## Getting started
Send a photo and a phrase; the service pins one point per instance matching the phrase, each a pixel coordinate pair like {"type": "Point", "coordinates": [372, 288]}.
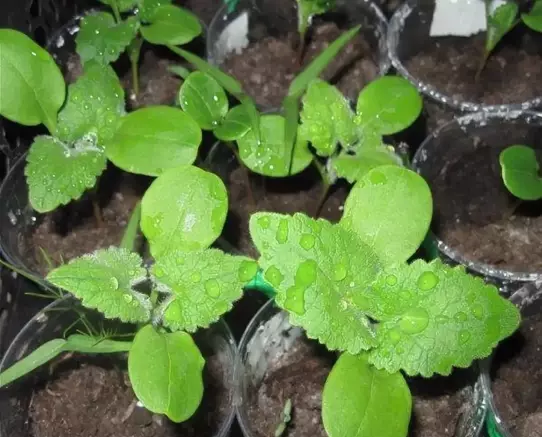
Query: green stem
{"type": "Point", "coordinates": [134, 52]}
{"type": "Point", "coordinates": [245, 170]}
{"type": "Point", "coordinates": [97, 211]}
{"type": "Point", "coordinates": [130, 233]}
{"type": "Point", "coordinates": [116, 12]}
{"type": "Point", "coordinates": [301, 48]}
{"type": "Point", "coordinates": [326, 186]}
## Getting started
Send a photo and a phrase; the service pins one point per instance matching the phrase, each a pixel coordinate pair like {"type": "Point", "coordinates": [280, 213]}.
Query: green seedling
{"type": "Point", "coordinates": [502, 20]}
{"type": "Point", "coordinates": [286, 417]}
{"type": "Point", "coordinates": [306, 11]}
{"type": "Point", "coordinates": [103, 36]}
{"type": "Point", "coordinates": [188, 287]}
{"type": "Point", "coordinates": [87, 125]}
{"type": "Point", "coordinates": [520, 172]}
{"type": "Point", "coordinates": [349, 286]}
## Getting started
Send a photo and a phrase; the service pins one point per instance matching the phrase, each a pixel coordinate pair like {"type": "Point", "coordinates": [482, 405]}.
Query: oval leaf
{"type": "Point", "coordinates": [520, 168]}
{"type": "Point", "coordinates": [204, 99]}
{"type": "Point", "coordinates": [147, 8]}
{"type": "Point", "coordinates": [360, 400]}
{"type": "Point", "coordinates": [33, 88]}
{"type": "Point", "coordinates": [390, 209]}
{"type": "Point", "coordinates": [123, 5]}
{"type": "Point", "coordinates": [152, 140]}
{"type": "Point", "coordinates": [499, 23]}
{"type": "Point", "coordinates": [166, 373]}
{"type": "Point", "coordinates": [171, 25]}
{"type": "Point", "coordinates": [184, 209]}
{"type": "Point", "coordinates": [354, 167]}
{"type": "Point", "coordinates": [534, 18]}
{"type": "Point", "coordinates": [235, 126]}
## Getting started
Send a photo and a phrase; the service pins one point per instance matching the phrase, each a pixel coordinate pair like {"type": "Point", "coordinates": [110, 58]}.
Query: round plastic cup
{"type": "Point", "coordinates": [65, 314]}
{"type": "Point", "coordinates": [461, 136]}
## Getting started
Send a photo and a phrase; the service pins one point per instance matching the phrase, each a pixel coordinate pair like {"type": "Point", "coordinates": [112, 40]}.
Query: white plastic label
{"type": "Point", "coordinates": [234, 38]}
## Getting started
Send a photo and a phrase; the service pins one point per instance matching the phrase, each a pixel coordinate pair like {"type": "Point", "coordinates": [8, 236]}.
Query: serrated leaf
{"type": "Point", "coordinates": [105, 280]}
{"type": "Point", "coordinates": [388, 105]}
{"type": "Point", "coordinates": [200, 286]}
{"type": "Point", "coordinates": [317, 270]}
{"type": "Point", "coordinates": [307, 9]}
{"type": "Point", "coordinates": [95, 105]}
{"type": "Point", "coordinates": [123, 5]}
{"type": "Point", "coordinates": [152, 140]}
{"type": "Point", "coordinates": [270, 156]}
{"type": "Point", "coordinates": [499, 23]}
{"type": "Point", "coordinates": [166, 373]}
{"type": "Point", "coordinates": [184, 209]}
{"type": "Point", "coordinates": [171, 25]}
{"type": "Point", "coordinates": [57, 173]}
{"type": "Point", "coordinates": [326, 118]}
{"type": "Point", "coordinates": [235, 125]}
{"type": "Point", "coordinates": [434, 317]}
{"type": "Point", "coordinates": [359, 400]}
{"type": "Point", "coordinates": [354, 167]}
{"type": "Point", "coordinates": [148, 7]}
{"type": "Point", "coordinates": [390, 209]}
{"type": "Point", "coordinates": [102, 39]}
{"type": "Point", "coordinates": [520, 167]}
{"type": "Point", "coordinates": [204, 99]}
{"type": "Point", "coordinates": [533, 19]}
{"type": "Point", "coordinates": [33, 88]}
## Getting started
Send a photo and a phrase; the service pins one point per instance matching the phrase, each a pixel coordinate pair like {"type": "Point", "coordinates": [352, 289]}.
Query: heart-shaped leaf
{"type": "Point", "coordinates": [171, 25]}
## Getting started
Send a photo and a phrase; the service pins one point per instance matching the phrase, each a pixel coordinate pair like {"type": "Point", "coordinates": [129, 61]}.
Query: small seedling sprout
{"type": "Point", "coordinates": [306, 10]}
{"type": "Point", "coordinates": [520, 172]}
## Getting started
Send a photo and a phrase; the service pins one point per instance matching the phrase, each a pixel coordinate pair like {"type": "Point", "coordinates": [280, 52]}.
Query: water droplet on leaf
{"type": "Point", "coordinates": [212, 288]}
{"type": "Point", "coordinates": [282, 231]}
{"type": "Point", "coordinates": [464, 337]}
{"type": "Point", "coordinates": [461, 317]}
{"type": "Point", "coordinates": [339, 272]}
{"type": "Point", "coordinates": [195, 277]}
{"type": "Point", "coordinates": [394, 336]}
{"type": "Point", "coordinates": [391, 280]}
{"type": "Point", "coordinates": [414, 321]}
{"type": "Point", "coordinates": [264, 222]}
{"type": "Point", "coordinates": [247, 270]}
{"type": "Point", "coordinates": [378, 178]}
{"type": "Point", "coordinates": [158, 272]}
{"type": "Point", "coordinates": [128, 298]}
{"type": "Point", "coordinates": [295, 300]}
{"type": "Point", "coordinates": [478, 311]}
{"type": "Point", "coordinates": [427, 281]}
{"type": "Point", "coordinates": [307, 241]}
{"type": "Point", "coordinates": [114, 283]}
{"type": "Point", "coordinates": [274, 276]}
{"type": "Point", "coordinates": [306, 273]}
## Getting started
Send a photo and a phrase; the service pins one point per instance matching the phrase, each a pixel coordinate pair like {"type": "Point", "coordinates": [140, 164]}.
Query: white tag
{"type": "Point", "coordinates": [458, 17]}
{"type": "Point", "coordinates": [234, 37]}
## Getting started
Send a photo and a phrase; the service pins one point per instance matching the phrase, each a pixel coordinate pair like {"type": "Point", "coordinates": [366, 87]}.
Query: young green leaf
{"type": "Point", "coordinates": [235, 125]}
{"type": "Point", "coordinates": [102, 39]}
{"type": "Point", "coordinates": [129, 238]}
{"type": "Point", "coordinates": [388, 105]}
{"type": "Point", "coordinates": [152, 140]}
{"type": "Point", "coordinates": [533, 19]}
{"type": "Point", "coordinates": [326, 118]}
{"type": "Point", "coordinates": [434, 317]}
{"type": "Point", "coordinates": [147, 8]}
{"type": "Point", "coordinates": [360, 400]}
{"type": "Point", "coordinates": [270, 156]}
{"type": "Point", "coordinates": [499, 23]}
{"type": "Point", "coordinates": [390, 209]}
{"type": "Point", "coordinates": [520, 168]}
{"type": "Point", "coordinates": [307, 9]}
{"type": "Point", "coordinates": [171, 25]}
{"type": "Point", "coordinates": [57, 173]}
{"type": "Point", "coordinates": [317, 270]}
{"type": "Point", "coordinates": [104, 280]}
{"type": "Point", "coordinates": [200, 286]}
{"type": "Point", "coordinates": [122, 5]}
{"type": "Point", "coordinates": [95, 105]}
{"type": "Point", "coordinates": [166, 373]}
{"type": "Point", "coordinates": [33, 88]}
{"type": "Point", "coordinates": [354, 167]}
{"type": "Point", "coordinates": [204, 99]}
{"type": "Point", "coordinates": [184, 209]}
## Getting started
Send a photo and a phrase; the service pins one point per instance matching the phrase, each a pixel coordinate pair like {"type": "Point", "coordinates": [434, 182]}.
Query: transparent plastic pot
{"type": "Point", "coordinates": [269, 336]}
{"type": "Point", "coordinates": [462, 136]}
{"type": "Point", "coordinates": [408, 34]}
{"type": "Point", "coordinates": [255, 19]}
{"type": "Point", "coordinates": [64, 314]}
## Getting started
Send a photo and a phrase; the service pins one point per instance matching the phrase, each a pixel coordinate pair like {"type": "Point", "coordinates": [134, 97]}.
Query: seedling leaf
{"type": "Point", "coordinates": [434, 317]}
{"type": "Point", "coordinates": [204, 99]}
{"type": "Point", "coordinates": [235, 125]}
{"type": "Point", "coordinates": [102, 39]}
{"type": "Point", "coordinates": [271, 156]}
{"type": "Point", "coordinates": [104, 280]}
{"type": "Point", "coordinates": [33, 88]}
{"type": "Point", "coordinates": [520, 172]}
{"type": "Point", "coordinates": [307, 9]}
{"type": "Point", "coordinates": [185, 208]}
{"type": "Point", "coordinates": [360, 400]}
{"type": "Point", "coordinates": [200, 286]}
{"type": "Point", "coordinates": [499, 23]}
{"type": "Point", "coordinates": [123, 5]}
{"type": "Point", "coordinates": [388, 105]}
{"type": "Point", "coordinates": [171, 25]}
{"type": "Point", "coordinates": [166, 373]}
{"type": "Point", "coordinates": [147, 8]}
{"type": "Point", "coordinates": [354, 167]}
{"type": "Point", "coordinates": [152, 140]}
{"type": "Point", "coordinates": [317, 270]}
{"type": "Point", "coordinates": [326, 118]}
{"type": "Point", "coordinates": [533, 19]}
{"type": "Point", "coordinates": [57, 173]}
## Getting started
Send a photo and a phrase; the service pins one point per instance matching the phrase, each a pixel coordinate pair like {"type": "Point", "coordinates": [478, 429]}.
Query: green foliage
{"type": "Point", "coordinates": [152, 140]}
{"type": "Point", "coordinates": [353, 167]}
{"type": "Point", "coordinates": [171, 25]}
{"type": "Point", "coordinates": [307, 9]}
{"type": "Point", "coordinates": [520, 172]}
{"type": "Point", "coordinates": [317, 270]}
{"type": "Point", "coordinates": [122, 5]}
{"type": "Point", "coordinates": [390, 209]}
{"type": "Point", "coordinates": [166, 372]}
{"type": "Point", "coordinates": [499, 23]}
{"type": "Point", "coordinates": [183, 209]}
{"type": "Point", "coordinates": [533, 19]}
{"type": "Point", "coordinates": [105, 280]}
{"type": "Point", "coordinates": [199, 286]}
{"type": "Point", "coordinates": [147, 8]}
{"type": "Point", "coordinates": [32, 86]}
{"type": "Point", "coordinates": [235, 125]}
{"type": "Point", "coordinates": [360, 400]}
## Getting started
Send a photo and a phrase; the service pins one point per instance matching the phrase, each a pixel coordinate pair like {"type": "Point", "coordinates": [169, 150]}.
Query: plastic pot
{"type": "Point", "coordinates": [60, 316]}
{"type": "Point", "coordinates": [409, 34]}
{"type": "Point", "coordinates": [443, 152]}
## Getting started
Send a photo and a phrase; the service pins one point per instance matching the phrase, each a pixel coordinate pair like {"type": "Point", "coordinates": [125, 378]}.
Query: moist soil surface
{"type": "Point", "coordinates": [450, 64]}
{"type": "Point", "coordinates": [300, 376]}
{"type": "Point", "coordinates": [517, 379]}
{"type": "Point", "coordinates": [269, 64]}
{"type": "Point", "coordinates": [94, 398]}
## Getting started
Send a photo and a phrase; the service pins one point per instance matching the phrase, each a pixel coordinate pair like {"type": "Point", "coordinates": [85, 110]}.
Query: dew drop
{"type": "Point", "coordinates": [414, 321]}
{"type": "Point", "coordinates": [427, 281]}
{"type": "Point", "coordinates": [339, 272]}
{"type": "Point", "coordinates": [400, 350]}
{"type": "Point", "coordinates": [343, 305]}
{"type": "Point", "coordinates": [378, 178]}
{"type": "Point", "coordinates": [158, 272]}
{"type": "Point", "coordinates": [391, 280]}
{"type": "Point", "coordinates": [195, 277]}
{"type": "Point", "coordinates": [441, 319]}
{"type": "Point", "coordinates": [247, 271]}
{"type": "Point", "coordinates": [127, 298]}
{"type": "Point", "coordinates": [478, 311]}
{"type": "Point", "coordinates": [307, 241]}
{"type": "Point", "coordinates": [464, 337]}
{"type": "Point", "coordinates": [394, 336]}
{"type": "Point", "coordinates": [295, 300]}
{"type": "Point", "coordinates": [114, 283]}
{"type": "Point", "coordinates": [306, 273]}
{"type": "Point", "coordinates": [274, 276]}
{"type": "Point", "coordinates": [264, 222]}
{"type": "Point", "coordinates": [212, 288]}
{"type": "Point", "coordinates": [471, 298]}
{"type": "Point", "coordinates": [282, 232]}
{"type": "Point", "coordinates": [461, 317]}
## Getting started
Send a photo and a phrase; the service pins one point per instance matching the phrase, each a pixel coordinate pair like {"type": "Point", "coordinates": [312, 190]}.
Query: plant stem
{"type": "Point", "coordinates": [116, 12]}
{"type": "Point", "coordinates": [326, 186]}
{"type": "Point", "coordinates": [481, 67]}
{"type": "Point", "coordinates": [97, 211]}
{"type": "Point", "coordinates": [301, 48]}
{"type": "Point", "coordinates": [130, 233]}
{"type": "Point", "coordinates": [134, 52]}
{"type": "Point", "coordinates": [245, 170]}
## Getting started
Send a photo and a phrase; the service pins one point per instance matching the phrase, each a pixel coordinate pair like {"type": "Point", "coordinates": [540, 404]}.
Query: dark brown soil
{"type": "Point", "coordinates": [92, 400]}
{"type": "Point", "coordinates": [450, 64]}
{"type": "Point", "coordinates": [204, 9]}
{"type": "Point", "coordinates": [517, 379]}
{"type": "Point", "coordinates": [269, 64]}
{"type": "Point", "coordinates": [300, 376]}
